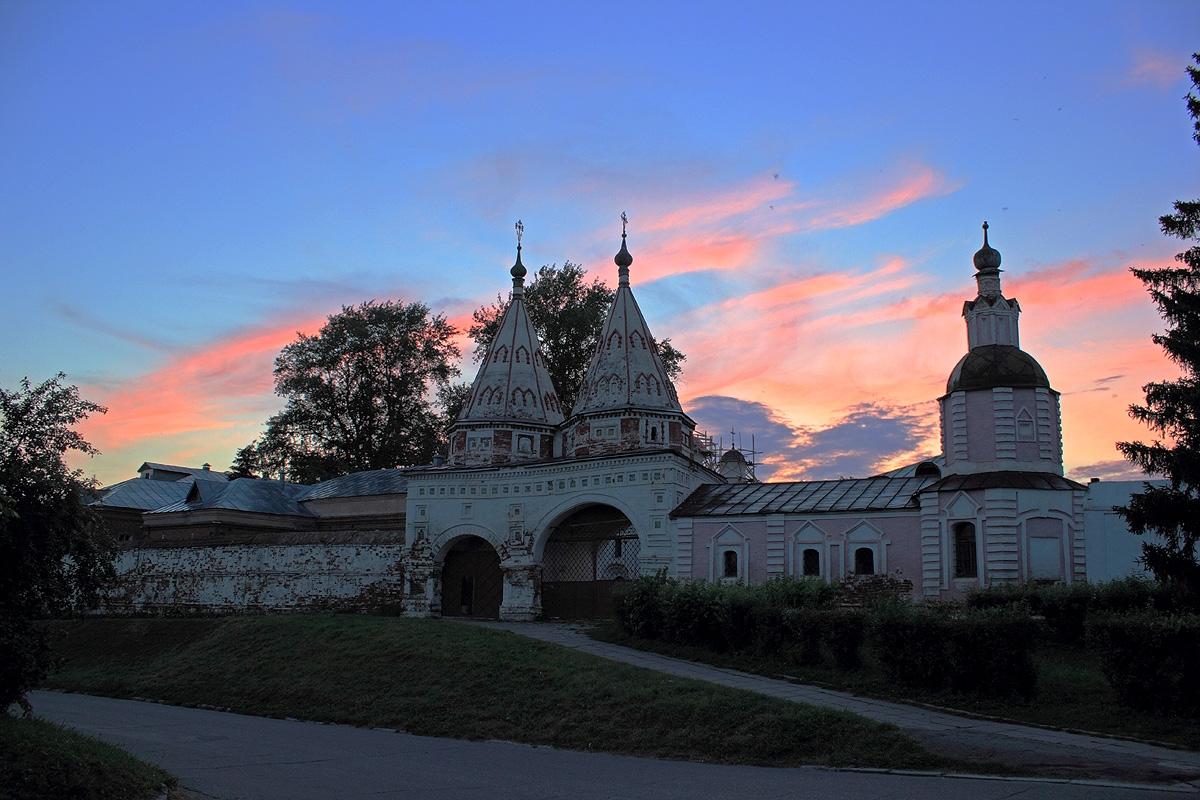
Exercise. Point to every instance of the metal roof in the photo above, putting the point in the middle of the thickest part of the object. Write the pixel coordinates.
(195, 472)
(358, 484)
(242, 494)
(139, 493)
(1006, 479)
(797, 497)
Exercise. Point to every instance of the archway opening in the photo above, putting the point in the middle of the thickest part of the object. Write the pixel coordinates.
(587, 557)
(472, 583)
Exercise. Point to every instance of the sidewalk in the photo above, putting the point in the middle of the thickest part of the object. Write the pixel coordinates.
(1017, 745)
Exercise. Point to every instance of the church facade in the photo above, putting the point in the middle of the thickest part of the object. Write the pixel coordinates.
(533, 513)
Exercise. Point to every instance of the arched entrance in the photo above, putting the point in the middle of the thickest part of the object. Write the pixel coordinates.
(472, 583)
(587, 555)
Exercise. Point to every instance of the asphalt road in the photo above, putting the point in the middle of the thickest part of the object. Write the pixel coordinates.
(230, 756)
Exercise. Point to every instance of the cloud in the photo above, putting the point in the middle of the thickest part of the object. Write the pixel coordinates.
(867, 439)
(1157, 69)
(1116, 470)
(94, 324)
(738, 226)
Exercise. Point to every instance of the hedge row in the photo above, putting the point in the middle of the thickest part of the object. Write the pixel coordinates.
(807, 622)
(1152, 660)
(1066, 607)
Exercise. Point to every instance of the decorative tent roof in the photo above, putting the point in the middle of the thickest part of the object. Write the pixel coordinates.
(512, 385)
(626, 371)
(992, 365)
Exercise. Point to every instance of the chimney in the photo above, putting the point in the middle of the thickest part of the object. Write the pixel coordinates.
(1094, 480)
(439, 460)
(206, 467)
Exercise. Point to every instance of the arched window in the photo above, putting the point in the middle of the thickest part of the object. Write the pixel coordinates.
(864, 561)
(965, 565)
(729, 564)
(812, 562)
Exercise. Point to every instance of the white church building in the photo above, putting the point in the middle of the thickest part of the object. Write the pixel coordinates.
(535, 515)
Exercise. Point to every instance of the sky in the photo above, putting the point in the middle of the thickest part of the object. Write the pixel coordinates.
(188, 185)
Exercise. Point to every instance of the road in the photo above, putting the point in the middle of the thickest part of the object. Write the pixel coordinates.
(236, 757)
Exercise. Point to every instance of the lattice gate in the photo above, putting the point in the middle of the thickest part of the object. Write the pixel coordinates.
(584, 561)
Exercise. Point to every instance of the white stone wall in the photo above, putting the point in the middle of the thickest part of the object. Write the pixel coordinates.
(254, 576)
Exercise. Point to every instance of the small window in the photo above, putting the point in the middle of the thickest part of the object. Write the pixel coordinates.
(965, 565)
(618, 547)
(729, 564)
(1025, 429)
(812, 562)
(654, 434)
(864, 561)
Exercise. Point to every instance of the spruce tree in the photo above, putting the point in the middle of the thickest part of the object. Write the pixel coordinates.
(1172, 408)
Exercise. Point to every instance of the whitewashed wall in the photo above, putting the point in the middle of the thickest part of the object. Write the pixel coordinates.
(255, 576)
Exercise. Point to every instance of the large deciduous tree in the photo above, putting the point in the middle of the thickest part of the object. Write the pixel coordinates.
(361, 394)
(55, 554)
(567, 312)
(1172, 408)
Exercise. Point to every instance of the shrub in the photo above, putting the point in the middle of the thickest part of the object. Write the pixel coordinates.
(692, 614)
(1151, 660)
(787, 592)
(872, 590)
(640, 606)
(836, 632)
(983, 651)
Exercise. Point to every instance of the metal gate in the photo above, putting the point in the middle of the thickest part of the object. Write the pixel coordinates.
(585, 559)
(472, 584)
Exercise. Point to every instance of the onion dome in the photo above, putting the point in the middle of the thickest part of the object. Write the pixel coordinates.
(996, 365)
(732, 456)
(987, 257)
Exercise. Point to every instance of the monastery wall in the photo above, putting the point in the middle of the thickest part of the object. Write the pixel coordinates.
(258, 577)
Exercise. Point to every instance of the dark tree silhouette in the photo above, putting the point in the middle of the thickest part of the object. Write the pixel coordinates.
(55, 554)
(1172, 408)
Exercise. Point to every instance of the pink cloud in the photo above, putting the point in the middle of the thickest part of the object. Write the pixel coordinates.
(1158, 69)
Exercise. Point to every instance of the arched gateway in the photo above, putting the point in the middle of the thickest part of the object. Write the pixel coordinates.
(586, 557)
(472, 583)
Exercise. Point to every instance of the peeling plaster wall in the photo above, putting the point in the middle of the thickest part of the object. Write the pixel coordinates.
(277, 576)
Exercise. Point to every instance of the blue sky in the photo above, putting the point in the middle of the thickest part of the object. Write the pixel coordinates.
(190, 183)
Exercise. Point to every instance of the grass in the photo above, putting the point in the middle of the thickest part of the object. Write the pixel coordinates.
(1072, 691)
(40, 760)
(440, 678)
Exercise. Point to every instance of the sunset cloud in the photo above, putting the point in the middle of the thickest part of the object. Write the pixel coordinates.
(1156, 68)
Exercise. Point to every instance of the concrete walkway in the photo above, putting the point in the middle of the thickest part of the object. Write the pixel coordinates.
(232, 756)
(1018, 745)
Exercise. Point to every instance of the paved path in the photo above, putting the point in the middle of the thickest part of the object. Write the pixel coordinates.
(1036, 748)
(237, 757)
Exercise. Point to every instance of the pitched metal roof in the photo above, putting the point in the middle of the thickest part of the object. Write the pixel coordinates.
(195, 472)
(139, 493)
(1005, 479)
(242, 494)
(795, 497)
(358, 484)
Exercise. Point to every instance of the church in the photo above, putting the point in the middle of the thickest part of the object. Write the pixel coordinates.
(531, 514)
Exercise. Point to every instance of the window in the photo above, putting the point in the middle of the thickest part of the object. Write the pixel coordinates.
(812, 562)
(729, 564)
(965, 565)
(618, 547)
(864, 561)
(1025, 430)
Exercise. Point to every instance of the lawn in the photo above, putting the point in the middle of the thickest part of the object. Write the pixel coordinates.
(1072, 691)
(42, 761)
(441, 678)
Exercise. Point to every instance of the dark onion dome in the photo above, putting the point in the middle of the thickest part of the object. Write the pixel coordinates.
(623, 257)
(994, 365)
(986, 257)
(518, 269)
(733, 456)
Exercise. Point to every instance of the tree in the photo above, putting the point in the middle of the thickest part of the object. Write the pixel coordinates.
(360, 393)
(55, 554)
(245, 463)
(1172, 408)
(568, 315)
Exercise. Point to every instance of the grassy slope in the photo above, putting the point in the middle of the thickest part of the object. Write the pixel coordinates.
(440, 678)
(41, 760)
(1072, 692)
